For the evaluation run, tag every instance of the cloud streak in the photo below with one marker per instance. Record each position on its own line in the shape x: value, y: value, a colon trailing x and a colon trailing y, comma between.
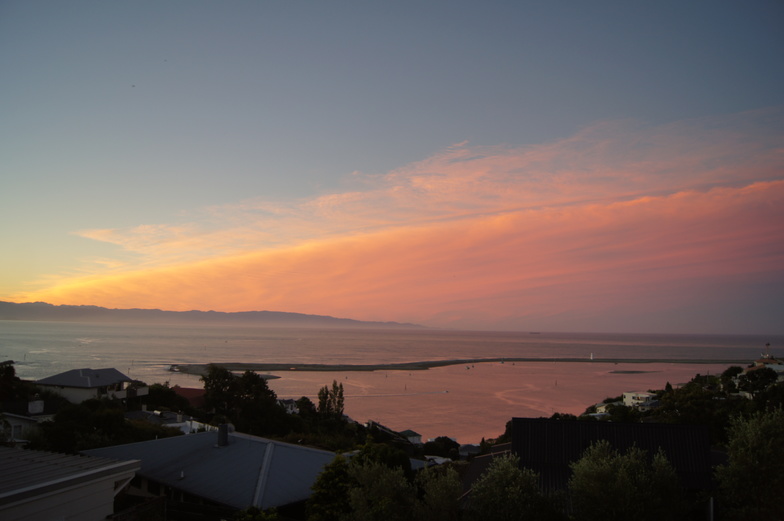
x: 621, y: 219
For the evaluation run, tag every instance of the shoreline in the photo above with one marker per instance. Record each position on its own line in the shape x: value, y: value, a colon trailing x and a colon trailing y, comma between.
x: 201, y: 369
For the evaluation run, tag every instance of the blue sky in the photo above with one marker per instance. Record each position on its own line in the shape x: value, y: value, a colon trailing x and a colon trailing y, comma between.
x: 131, y: 129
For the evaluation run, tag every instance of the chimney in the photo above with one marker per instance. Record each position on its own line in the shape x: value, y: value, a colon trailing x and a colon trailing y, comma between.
x: 223, y: 435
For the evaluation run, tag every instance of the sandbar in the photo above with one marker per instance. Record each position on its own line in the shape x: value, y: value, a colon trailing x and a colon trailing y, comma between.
x: 201, y: 369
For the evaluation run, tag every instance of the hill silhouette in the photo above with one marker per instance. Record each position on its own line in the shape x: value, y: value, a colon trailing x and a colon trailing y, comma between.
x: 41, y: 311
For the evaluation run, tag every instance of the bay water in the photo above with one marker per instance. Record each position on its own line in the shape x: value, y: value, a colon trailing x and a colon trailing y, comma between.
x: 466, y: 401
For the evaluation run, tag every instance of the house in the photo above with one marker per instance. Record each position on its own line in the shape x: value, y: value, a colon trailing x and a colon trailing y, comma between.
x: 549, y: 447
x: 222, y: 471
x: 641, y: 400
x: 180, y: 421
x: 195, y: 396
x: 413, y: 437
x: 779, y: 370
x: 20, y: 420
x: 603, y: 407
x: 769, y: 362
x: 79, y: 385
x: 38, y: 485
x: 407, y: 435
x: 289, y: 405
x: 437, y: 460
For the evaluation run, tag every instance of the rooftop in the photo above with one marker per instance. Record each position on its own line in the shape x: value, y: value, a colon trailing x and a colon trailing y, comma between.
x: 248, y: 471
x: 85, y: 378
x: 28, y: 473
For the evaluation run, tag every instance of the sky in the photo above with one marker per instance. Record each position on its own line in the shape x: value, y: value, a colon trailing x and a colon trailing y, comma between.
x: 605, y: 166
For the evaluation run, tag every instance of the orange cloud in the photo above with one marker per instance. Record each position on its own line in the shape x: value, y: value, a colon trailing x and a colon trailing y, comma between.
x: 524, y: 264
x: 616, y: 219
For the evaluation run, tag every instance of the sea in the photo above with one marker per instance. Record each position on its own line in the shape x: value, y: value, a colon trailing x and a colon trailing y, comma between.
x: 467, y: 402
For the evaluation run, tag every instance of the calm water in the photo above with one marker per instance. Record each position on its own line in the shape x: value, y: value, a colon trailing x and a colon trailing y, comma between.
x: 467, y: 403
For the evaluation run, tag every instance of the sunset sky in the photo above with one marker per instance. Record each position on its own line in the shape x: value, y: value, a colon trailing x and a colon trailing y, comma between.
x: 548, y: 166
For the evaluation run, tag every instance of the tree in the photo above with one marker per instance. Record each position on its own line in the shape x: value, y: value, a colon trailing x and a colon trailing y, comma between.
x: 757, y: 380
x: 246, y: 400
x: 329, y: 500
x: 387, y: 455
x: 607, y: 485
x: 331, y: 401
x: 439, y: 488
x: 255, y: 407
x: 444, y: 447
x: 771, y: 398
x: 563, y: 416
x: 379, y: 493
x: 220, y: 387
x: 306, y: 407
x: 9, y: 382
x: 731, y: 372
x: 161, y: 396
x: 13, y: 388
x: 253, y: 388
x: 505, y: 492
x: 620, y: 413
x: 371, y: 485
x: 337, y: 399
x: 506, y: 437
x: 695, y: 404
x: 92, y: 424
x: 752, y: 481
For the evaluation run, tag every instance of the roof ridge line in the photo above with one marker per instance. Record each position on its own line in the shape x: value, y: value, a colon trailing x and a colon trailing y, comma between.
x: 261, y: 485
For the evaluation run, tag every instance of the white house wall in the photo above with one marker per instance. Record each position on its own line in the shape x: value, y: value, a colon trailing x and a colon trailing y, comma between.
x: 75, y: 394
x: 91, y: 501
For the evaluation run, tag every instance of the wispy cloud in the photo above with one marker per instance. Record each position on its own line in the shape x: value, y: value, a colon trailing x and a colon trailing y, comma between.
x: 618, y: 215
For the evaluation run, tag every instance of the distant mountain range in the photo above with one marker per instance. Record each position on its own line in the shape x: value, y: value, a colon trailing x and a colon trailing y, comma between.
x: 42, y: 311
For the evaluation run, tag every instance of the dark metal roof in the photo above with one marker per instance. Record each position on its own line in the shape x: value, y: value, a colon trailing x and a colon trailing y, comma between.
x: 549, y: 446
x: 249, y: 471
x: 27, y: 473
x: 86, y: 378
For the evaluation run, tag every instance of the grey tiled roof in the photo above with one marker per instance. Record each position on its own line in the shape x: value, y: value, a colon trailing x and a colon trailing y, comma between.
x: 85, y: 378
x: 249, y: 471
x: 28, y: 473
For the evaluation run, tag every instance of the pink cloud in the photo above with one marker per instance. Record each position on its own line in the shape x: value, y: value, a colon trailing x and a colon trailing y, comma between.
x: 527, y: 264
x: 615, y: 218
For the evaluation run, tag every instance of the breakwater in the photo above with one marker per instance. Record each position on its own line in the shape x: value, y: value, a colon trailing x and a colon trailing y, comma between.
x: 428, y: 364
